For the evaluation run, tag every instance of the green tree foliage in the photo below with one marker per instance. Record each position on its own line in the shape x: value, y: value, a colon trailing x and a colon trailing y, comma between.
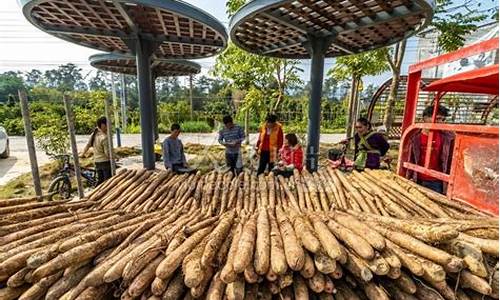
x: 354, y: 67
x: 52, y: 137
x: 10, y: 83
x: 90, y: 107
x: 455, y: 20
x: 66, y: 77
x: 245, y: 70
x: 33, y: 78
x: 359, y: 65
x: 169, y: 89
x: 98, y: 81
x: 249, y: 71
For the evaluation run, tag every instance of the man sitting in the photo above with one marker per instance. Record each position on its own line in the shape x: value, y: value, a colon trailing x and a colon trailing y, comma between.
x: 173, y: 152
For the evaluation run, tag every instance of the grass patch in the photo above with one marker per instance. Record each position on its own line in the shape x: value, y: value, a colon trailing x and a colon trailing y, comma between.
x: 196, y: 127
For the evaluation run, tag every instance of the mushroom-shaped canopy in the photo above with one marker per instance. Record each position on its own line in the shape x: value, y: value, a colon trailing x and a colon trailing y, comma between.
x: 126, y: 64
x: 180, y: 30
x: 282, y: 28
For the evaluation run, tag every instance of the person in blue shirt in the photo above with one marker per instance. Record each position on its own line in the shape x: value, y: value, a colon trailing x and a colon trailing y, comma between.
x: 231, y: 137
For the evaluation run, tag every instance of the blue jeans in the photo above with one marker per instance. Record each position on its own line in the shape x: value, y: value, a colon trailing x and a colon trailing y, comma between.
x: 435, y: 185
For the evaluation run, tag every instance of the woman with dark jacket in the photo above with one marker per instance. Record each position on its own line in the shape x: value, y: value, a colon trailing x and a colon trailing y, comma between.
x: 369, y: 146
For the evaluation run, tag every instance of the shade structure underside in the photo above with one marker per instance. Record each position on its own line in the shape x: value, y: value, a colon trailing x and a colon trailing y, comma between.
x: 179, y: 29
x: 282, y: 28
x: 125, y: 64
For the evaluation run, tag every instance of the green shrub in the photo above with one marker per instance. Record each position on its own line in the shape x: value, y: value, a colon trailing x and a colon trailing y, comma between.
x: 133, y: 128
x: 162, y: 128
x: 14, y: 126
x: 196, y: 127
x: 52, y: 138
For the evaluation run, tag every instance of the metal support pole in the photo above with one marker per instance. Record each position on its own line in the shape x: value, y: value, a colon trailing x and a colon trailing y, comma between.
x: 124, y: 103
x: 317, y: 48
x: 191, y: 95
x: 30, y: 142
x: 154, y: 118
x: 118, y: 137
x: 70, y: 119
x: 107, y: 109
x: 144, y: 50
x: 115, y: 101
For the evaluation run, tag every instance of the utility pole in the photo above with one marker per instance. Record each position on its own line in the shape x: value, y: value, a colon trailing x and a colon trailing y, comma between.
x: 23, y: 98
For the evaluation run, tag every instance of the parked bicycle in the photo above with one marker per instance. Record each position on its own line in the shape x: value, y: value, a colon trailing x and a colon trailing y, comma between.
x: 60, y: 187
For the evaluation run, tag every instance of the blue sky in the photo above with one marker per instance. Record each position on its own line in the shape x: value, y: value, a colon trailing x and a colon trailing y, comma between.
x: 24, y: 47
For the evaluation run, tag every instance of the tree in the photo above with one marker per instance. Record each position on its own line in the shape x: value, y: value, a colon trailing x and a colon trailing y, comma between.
x: 98, y: 82
x: 266, y: 76
x: 33, y: 78
x: 453, y: 22
x: 330, y: 89
x: 66, y: 77
x: 355, y: 67
x: 169, y: 89
x: 395, y: 60
x: 367, y: 93
x: 10, y: 83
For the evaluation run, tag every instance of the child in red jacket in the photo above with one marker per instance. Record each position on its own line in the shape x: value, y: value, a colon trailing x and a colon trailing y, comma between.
x: 291, y: 156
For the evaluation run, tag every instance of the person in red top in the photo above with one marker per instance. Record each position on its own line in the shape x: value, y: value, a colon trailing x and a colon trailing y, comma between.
x: 441, y: 149
x: 269, y: 143
x: 291, y: 156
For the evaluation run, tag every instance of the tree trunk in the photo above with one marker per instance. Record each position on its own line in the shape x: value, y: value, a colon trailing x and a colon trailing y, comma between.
x: 279, y: 99
x: 247, y: 128
x: 391, y: 101
x: 393, y: 92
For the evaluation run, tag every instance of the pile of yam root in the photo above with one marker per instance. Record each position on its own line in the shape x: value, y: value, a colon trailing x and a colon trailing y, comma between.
x: 328, y: 235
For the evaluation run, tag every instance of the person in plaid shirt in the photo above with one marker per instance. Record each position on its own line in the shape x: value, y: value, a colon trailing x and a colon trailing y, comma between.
x: 231, y: 137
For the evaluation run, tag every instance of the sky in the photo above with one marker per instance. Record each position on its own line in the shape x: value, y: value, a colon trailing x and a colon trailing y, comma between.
x: 24, y: 47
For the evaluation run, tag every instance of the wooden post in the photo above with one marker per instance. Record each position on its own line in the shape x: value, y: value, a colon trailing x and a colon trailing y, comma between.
x: 247, y: 128
x: 23, y: 98
x: 107, y: 109
x: 70, y: 119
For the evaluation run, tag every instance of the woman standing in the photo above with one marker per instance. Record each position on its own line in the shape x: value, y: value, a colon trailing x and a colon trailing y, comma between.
x: 370, y: 146
x: 269, y: 143
x: 99, y: 142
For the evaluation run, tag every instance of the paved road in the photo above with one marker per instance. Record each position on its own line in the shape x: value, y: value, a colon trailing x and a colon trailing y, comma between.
x: 18, y: 162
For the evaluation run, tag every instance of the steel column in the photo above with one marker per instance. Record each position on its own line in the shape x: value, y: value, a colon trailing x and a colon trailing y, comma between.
x: 144, y: 50
x: 156, y: 133
x: 317, y: 47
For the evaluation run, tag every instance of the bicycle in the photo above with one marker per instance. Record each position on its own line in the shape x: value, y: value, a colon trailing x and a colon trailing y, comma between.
x: 60, y: 186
